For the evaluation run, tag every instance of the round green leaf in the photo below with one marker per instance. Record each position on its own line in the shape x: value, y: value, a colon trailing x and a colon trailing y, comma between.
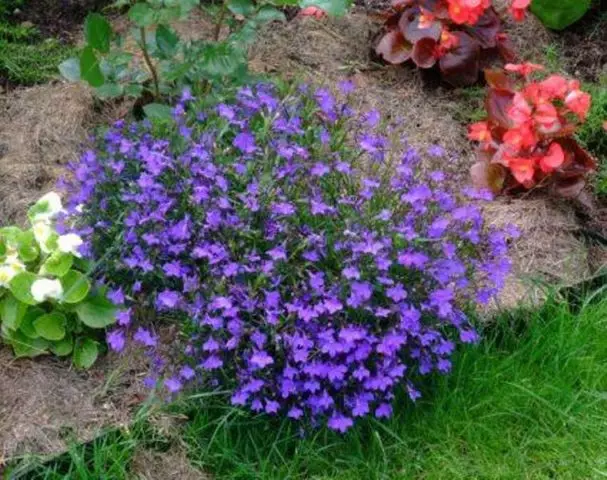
x: 58, y: 264
x: 269, y: 14
x: 75, y: 287
x: 90, y: 69
x: 62, y: 347
x: 157, y: 111
x: 96, y: 312
x: 12, y: 312
x: 85, y: 352
x: 241, y: 7
x: 142, y: 15
x: 28, y: 347
x: 109, y: 90
x: 27, y: 324
x: 51, y: 326
x: 70, y: 69
x: 27, y: 246
x: 560, y: 14
x: 21, y: 287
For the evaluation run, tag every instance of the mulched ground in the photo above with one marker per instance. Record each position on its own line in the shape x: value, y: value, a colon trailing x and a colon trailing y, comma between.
x: 584, y: 45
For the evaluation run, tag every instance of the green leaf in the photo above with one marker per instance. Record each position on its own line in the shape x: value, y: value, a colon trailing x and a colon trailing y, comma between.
x: 51, y: 326
x: 89, y: 68
x: 12, y: 312
x: 142, y: 15
x: 335, y: 8
x: 27, y: 324
x: 70, y: 69
x: 85, y: 353
x: 75, y: 287
x: 166, y: 40
x: 57, y: 264
x: 158, y: 111
x: 28, y: 347
x: 133, y: 90
x: 241, y: 7
x: 21, y: 287
x: 269, y: 14
x: 559, y: 14
x: 96, y: 312
x: 27, y: 246
x: 221, y: 60
x: 98, y: 32
x: 63, y: 347
x: 11, y: 236
x: 109, y: 90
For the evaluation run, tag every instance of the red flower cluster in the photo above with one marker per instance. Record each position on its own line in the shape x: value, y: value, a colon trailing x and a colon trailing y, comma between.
x: 527, y: 138
x: 454, y: 34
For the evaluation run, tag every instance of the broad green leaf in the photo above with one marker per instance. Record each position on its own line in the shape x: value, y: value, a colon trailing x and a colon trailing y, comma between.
x: 89, y: 68
x: 269, y: 14
x: 11, y: 236
x: 285, y: 3
x: 158, y: 111
x: 96, y: 312
x: 12, y: 312
x: 98, y: 32
x: 2, y: 247
x: 168, y: 15
x: 27, y: 324
x: 28, y: 347
x: 559, y: 14
x: 27, y: 246
x: 335, y: 8
x: 62, y: 347
x: 70, y: 69
x: 142, y: 15
x: 241, y: 7
x: 75, y: 287
x: 51, y: 326
x: 166, y: 40
x: 109, y: 90
x: 85, y: 352
x: 133, y: 90
x: 57, y: 264
x: 220, y: 60
x: 21, y: 287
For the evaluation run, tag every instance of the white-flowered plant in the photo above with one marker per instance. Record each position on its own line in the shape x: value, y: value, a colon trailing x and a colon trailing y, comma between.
x: 47, y: 303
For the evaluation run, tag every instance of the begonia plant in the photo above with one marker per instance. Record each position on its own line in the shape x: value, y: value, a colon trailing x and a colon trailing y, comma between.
x: 311, y: 271
x: 457, y: 36
x: 47, y: 303
x: 527, y: 139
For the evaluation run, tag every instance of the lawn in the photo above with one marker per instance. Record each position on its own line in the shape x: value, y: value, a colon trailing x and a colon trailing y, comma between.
x: 530, y: 401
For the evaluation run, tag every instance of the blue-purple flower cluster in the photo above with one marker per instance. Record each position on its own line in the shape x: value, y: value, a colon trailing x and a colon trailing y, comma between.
x: 313, y: 271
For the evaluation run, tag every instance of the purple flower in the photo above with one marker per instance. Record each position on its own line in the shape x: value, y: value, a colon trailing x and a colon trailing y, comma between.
x: 167, y: 299
x: 173, y: 385
x: 145, y: 337
x: 116, y: 340
x: 116, y: 296
x: 245, y: 142
x: 360, y: 293
x: 340, y: 423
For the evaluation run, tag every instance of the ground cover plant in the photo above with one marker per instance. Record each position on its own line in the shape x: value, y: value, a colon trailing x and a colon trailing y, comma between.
x: 47, y: 304
x: 559, y: 15
x: 25, y: 57
x: 312, y: 271
x: 458, y: 36
x: 527, y: 402
x: 527, y: 140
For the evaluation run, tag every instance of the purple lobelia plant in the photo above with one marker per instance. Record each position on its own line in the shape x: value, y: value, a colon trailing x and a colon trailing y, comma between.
x: 312, y: 270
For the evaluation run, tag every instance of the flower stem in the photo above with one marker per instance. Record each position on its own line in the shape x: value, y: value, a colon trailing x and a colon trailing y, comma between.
x: 150, y: 65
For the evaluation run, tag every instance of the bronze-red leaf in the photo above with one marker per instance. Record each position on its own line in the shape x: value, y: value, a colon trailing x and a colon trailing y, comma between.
x: 460, y: 66
x: 413, y: 31
x: 424, y: 53
x: 393, y: 47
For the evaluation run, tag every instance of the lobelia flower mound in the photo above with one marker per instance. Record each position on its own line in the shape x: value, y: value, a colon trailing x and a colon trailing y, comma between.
x: 313, y: 272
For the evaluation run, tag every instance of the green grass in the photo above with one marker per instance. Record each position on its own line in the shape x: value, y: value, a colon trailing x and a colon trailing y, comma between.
x: 530, y: 402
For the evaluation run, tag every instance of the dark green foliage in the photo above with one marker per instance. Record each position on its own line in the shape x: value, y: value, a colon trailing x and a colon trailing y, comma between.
x: 559, y: 14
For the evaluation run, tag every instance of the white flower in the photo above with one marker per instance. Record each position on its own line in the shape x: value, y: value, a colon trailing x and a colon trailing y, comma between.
x: 42, y: 232
x: 6, y: 275
x: 69, y: 243
x: 45, y: 288
x: 53, y: 207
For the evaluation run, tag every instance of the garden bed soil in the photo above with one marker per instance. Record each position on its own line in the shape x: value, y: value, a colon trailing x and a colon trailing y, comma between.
x: 45, y: 127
